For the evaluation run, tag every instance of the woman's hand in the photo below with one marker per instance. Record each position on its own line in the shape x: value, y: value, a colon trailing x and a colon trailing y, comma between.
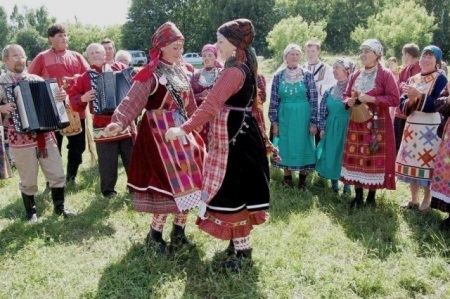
x: 88, y: 96
x: 412, y: 92
x: 113, y: 129
x: 322, y: 133
x: 312, y: 130
x: 174, y: 133
x: 364, y: 98
x: 350, y: 102
x: 275, y: 130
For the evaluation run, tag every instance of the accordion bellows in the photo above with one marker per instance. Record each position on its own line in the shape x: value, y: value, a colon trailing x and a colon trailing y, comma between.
x: 360, y: 113
x: 110, y: 87
x: 36, y: 109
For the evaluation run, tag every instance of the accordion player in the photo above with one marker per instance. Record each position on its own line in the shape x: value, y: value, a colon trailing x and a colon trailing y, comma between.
x: 110, y: 87
x: 36, y: 109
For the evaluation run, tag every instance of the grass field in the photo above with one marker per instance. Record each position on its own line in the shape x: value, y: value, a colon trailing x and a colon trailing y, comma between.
x: 313, y: 246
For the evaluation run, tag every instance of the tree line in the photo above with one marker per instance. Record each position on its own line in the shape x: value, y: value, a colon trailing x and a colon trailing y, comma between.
x: 340, y: 24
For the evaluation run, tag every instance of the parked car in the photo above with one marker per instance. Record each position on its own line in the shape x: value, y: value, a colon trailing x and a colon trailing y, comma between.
x: 138, y: 58
x: 193, y: 58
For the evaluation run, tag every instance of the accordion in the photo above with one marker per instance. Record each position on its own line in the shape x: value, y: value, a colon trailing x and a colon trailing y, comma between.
x: 36, y: 108
x: 110, y: 87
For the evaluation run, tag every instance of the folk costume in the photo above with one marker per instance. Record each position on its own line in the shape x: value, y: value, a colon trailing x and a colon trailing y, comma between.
x: 400, y: 118
x: 368, y: 161
x: 235, y: 189
x: 293, y: 106
x: 166, y: 177
x: 31, y: 150
x: 108, y: 147
x: 64, y: 66
x: 440, y: 183
x: 416, y: 157
x: 202, y: 80
x: 333, y: 119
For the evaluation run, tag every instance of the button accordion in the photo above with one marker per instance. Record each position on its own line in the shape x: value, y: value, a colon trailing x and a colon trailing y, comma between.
x: 36, y: 108
x: 110, y: 87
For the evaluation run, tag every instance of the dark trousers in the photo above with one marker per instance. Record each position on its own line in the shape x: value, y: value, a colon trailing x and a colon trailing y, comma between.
x: 76, y: 145
x: 399, y: 126
x: 108, y: 153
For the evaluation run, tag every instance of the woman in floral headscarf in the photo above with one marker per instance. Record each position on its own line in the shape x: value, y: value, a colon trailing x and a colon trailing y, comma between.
x: 203, y: 80
x: 236, y: 173
x: 165, y: 177
x: 368, y: 160
x: 333, y: 119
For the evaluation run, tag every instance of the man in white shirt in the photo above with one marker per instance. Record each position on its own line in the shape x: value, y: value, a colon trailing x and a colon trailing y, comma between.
x: 323, y: 73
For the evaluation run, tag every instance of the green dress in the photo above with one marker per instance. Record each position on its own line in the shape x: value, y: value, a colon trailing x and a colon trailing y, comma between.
x: 296, y: 144
x: 331, y: 147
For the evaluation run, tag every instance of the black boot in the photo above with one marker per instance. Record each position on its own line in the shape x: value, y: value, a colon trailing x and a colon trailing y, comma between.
x: 242, y: 259
x: 370, y: 200
x: 358, y: 200
x: 302, y: 181
x: 30, y: 207
x: 72, y: 170
x: 155, y: 240
x: 178, y: 237
x: 287, y: 181
x: 58, y: 203
x: 230, y: 251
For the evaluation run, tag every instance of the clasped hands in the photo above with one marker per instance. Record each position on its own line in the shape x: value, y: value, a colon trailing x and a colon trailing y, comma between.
x: 362, y: 97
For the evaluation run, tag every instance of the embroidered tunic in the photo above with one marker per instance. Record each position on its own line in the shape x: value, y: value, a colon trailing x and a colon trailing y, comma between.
x: 415, y: 159
x: 359, y: 166
x: 165, y: 177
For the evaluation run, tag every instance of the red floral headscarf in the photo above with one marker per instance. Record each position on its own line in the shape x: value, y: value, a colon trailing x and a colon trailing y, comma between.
x: 165, y: 35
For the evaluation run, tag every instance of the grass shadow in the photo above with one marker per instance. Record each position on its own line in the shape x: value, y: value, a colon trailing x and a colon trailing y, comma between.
x: 90, y: 223
x: 142, y: 273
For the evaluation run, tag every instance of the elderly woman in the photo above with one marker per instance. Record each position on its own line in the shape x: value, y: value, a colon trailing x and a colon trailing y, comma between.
x: 333, y: 119
x: 166, y: 177
x: 415, y: 159
x: 293, y: 114
x: 203, y: 80
x: 236, y: 176
x: 368, y: 161
x: 123, y: 57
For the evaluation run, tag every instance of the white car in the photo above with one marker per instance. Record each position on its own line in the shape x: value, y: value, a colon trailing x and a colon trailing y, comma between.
x: 138, y: 58
x: 193, y: 58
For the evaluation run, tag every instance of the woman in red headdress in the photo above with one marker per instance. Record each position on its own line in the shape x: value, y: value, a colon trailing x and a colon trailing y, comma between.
x: 203, y: 80
x: 165, y: 177
x: 235, y: 190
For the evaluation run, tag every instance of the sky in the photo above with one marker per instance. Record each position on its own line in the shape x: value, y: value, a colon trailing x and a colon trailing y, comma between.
x: 93, y: 12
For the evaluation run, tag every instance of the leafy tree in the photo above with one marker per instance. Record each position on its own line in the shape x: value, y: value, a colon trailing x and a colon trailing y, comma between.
x: 114, y: 33
x: 31, y: 41
x: 293, y: 30
x: 393, y: 27
x: 4, y: 30
x: 40, y: 20
x: 263, y: 14
x: 441, y: 10
x: 80, y: 36
x: 18, y: 20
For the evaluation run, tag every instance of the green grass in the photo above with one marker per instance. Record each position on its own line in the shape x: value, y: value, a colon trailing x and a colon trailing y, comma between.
x: 313, y: 246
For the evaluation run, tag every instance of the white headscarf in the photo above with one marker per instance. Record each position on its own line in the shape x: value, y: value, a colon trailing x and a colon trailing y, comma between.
x: 373, y: 44
x: 289, y: 48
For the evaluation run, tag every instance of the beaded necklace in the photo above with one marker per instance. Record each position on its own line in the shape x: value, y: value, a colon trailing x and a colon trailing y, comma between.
x: 292, y: 76
x: 208, y: 77
x: 366, y: 80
